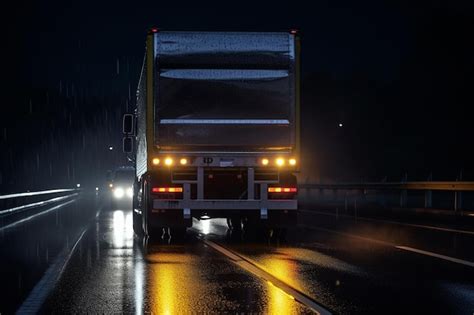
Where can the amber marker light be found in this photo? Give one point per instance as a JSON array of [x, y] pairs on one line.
[[155, 161], [168, 161], [280, 162]]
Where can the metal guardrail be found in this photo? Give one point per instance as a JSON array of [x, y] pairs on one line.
[[35, 204], [14, 203], [426, 185], [19, 207], [458, 187], [35, 193]]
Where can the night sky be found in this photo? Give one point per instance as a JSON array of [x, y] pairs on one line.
[[398, 76]]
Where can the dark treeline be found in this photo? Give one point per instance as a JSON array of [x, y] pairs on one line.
[[418, 122]]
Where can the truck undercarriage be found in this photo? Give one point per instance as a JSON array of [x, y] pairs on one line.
[[245, 196]]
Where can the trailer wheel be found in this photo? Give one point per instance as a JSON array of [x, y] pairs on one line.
[[236, 224], [137, 223], [178, 233], [151, 231], [137, 218], [155, 232], [256, 230], [279, 234]]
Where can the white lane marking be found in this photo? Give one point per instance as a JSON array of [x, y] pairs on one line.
[[43, 288], [36, 215], [395, 222], [434, 228], [349, 235], [247, 264], [419, 251], [448, 258]]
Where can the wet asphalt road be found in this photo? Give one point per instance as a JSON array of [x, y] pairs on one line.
[[349, 266], [29, 248]]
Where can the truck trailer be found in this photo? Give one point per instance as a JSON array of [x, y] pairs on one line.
[[216, 130]]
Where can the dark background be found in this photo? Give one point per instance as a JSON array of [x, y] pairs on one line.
[[398, 75]]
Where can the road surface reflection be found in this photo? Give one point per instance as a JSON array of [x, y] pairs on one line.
[[122, 229], [187, 277]]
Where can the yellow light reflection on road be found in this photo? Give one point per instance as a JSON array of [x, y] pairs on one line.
[[168, 292], [280, 302], [175, 286]]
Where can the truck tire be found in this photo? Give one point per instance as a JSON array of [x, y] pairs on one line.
[[153, 232], [137, 223], [255, 230], [178, 233], [236, 224], [136, 218], [235, 232], [146, 207], [278, 234]]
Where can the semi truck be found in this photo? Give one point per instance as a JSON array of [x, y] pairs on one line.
[[216, 130]]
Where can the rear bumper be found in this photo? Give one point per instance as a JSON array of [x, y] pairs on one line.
[[180, 212], [204, 204]]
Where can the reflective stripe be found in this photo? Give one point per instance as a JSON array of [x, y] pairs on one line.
[[224, 121]]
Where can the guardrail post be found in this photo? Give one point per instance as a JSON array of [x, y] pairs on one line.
[[458, 195], [428, 199], [429, 194], [382, 197], [355, 209], [403, 193], [345, 202], [307, 192]]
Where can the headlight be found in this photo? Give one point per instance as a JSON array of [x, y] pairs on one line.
[[129, 192], [119, 192]]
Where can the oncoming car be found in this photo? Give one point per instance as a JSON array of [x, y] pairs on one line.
[[121, 185]]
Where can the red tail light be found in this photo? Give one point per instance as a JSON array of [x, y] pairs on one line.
[[282, 189], [159, 190]]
